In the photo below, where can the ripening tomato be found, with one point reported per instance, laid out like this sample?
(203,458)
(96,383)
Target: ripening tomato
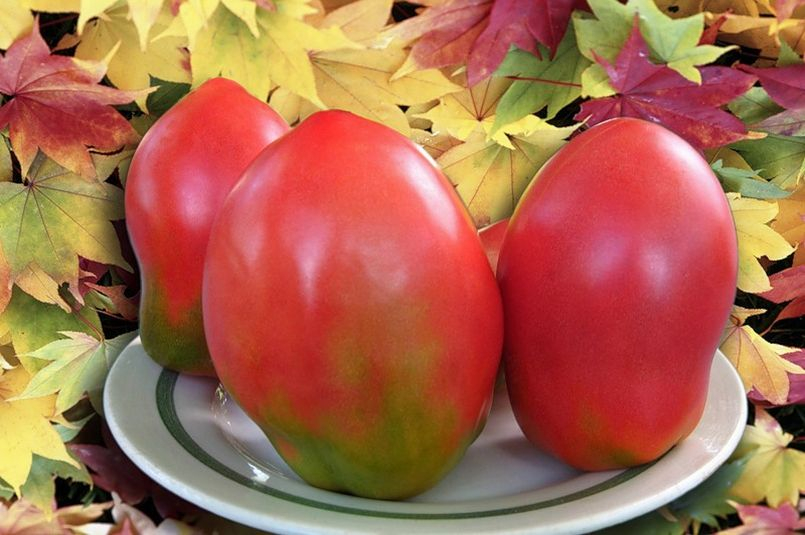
(350,309)
(182,170)
(617,274)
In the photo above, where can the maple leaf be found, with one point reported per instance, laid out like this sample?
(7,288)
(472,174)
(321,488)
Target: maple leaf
(16,20)
(444,33)
(491,178)
(763,33)
(361,81)
(784,85)
(480,32)
(755,239)
(39,489)
(759,362)
(675,42)
(280,54)
(790,223)
(657,93)
(463,113)
(31,324)
(26,430)
(747,182)
(56,216)
(796,390)
(78,364)
(56,104)
(540,82)
(131,66)
(143,14)
(773,470)
(114,472)
(113,300)
(788,285)
(23,517)
(781,158)
(520,23)
(770,521)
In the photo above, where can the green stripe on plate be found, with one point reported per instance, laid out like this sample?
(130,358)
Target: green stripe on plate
(167,411)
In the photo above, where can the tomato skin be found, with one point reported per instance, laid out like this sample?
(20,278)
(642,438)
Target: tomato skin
(366,337)
(179,177)
(617,274)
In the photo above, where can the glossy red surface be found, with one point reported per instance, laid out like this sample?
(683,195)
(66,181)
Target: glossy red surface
(350,308)
(617,274)
(182,171)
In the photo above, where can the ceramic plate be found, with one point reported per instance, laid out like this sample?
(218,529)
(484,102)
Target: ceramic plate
(187,434)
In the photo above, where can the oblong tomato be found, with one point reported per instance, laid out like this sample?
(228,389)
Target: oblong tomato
(350,308)
(617,274)
(180,174)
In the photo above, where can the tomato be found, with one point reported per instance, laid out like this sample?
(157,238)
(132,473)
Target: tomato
(180,174)
(350,309)
(617,273)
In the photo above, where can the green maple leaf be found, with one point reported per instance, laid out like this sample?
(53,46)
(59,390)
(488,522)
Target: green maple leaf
(40,486)
(781,158)
(78,364)
(672,41)
(530,96)
(56,216)
(754,106)
(33,324)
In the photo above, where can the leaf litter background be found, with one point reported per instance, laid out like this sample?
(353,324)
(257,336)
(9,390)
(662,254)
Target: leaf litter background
(490,88)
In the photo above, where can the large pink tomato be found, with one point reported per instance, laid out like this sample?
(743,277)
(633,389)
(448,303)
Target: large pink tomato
(350,309)
(617,274)
(182,170)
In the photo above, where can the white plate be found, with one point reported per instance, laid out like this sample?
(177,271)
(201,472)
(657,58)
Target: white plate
(190,437)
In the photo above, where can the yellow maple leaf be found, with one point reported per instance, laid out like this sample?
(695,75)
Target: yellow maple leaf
(280,54)
(773,470)
(131,67)
(755,239)
(143,13)
(360,80)
(15,20)
(790,222)
(489,177)
(25,430)
(759,362)
(463,113)
(763,33)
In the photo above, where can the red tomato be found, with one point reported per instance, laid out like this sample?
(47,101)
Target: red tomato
(617,274)
(182,170)
(350,309)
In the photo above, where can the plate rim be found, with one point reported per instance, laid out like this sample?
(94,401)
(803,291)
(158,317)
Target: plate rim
(167,380)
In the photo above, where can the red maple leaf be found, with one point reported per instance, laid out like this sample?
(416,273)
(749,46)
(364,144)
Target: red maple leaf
(660,94)
(480,32)
(785,85)
(55,104)
(788,285)
(522,23)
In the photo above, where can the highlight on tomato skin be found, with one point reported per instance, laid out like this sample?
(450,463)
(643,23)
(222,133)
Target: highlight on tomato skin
(180,174)
(366,343)
(617,274)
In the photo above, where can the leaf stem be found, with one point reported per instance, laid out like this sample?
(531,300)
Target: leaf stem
(543,80)
(58,21)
